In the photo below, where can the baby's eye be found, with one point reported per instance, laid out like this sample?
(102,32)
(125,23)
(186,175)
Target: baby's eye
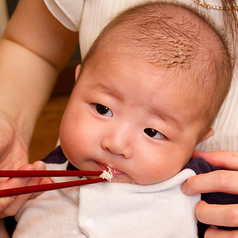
(103,110)
(154,134)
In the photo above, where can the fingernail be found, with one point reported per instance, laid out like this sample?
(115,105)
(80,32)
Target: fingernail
(213,227)
(38,164)
(184,188)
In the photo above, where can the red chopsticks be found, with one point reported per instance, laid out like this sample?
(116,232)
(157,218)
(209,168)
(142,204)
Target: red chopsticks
(47,173)
(47,187)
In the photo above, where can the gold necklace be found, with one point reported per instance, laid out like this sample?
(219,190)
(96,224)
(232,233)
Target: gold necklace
(209,6)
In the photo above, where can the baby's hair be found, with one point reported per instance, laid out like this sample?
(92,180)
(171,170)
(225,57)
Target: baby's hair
(179,40)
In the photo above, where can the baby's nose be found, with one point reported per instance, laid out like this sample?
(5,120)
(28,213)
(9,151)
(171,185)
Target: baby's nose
(117,142)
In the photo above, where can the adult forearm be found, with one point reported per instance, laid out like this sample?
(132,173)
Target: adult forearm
(26,81)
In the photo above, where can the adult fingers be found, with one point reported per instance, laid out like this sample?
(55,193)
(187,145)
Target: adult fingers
(43,181)
(19,200)
(219,158)
(4,202)
(9,206)
(216,181)
(215,232)
(218,215)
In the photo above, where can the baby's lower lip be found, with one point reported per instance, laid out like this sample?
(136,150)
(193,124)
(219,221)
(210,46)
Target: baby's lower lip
(114,171)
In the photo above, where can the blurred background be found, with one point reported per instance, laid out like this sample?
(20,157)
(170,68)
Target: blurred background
(46,132)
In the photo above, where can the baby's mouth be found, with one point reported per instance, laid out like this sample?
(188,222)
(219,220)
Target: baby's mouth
(114,171)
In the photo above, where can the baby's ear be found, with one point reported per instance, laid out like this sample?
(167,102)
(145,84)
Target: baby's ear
(77,72)
(208,135)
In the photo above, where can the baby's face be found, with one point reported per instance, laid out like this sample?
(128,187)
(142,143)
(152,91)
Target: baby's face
(124,115)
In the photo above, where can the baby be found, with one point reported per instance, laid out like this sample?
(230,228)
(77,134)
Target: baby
(145,96)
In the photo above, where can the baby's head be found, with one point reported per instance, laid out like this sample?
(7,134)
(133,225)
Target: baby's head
(147,93)
(179,42)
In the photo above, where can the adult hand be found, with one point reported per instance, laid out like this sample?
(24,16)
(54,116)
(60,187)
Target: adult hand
(13,147)
(9,206)
(218,181)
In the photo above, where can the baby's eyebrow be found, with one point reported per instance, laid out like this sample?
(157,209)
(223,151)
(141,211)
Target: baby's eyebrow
(116,94)
(167,118)
(103,88)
